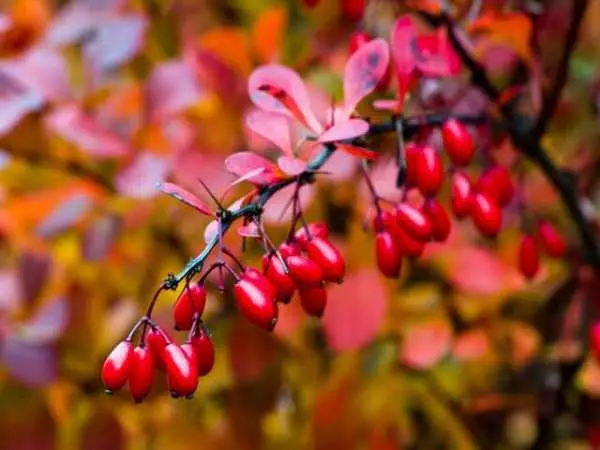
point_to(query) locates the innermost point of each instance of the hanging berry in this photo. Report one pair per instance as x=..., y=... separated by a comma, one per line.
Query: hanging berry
x=115, y=369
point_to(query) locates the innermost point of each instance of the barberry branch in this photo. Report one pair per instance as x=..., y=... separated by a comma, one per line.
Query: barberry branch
x=552, y=96
x=410, y=126
x=522, y=132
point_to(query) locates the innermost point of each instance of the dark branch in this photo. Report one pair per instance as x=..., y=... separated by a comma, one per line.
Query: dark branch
x=524, y=138
x=552, y=96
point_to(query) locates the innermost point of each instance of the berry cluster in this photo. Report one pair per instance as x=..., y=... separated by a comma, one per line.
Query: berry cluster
x=303, y=263
x=182, y=364
x=409, y=225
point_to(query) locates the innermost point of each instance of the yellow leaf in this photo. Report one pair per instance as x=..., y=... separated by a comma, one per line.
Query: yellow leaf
x=230, y=45
x=267, y=34
x=510, y=29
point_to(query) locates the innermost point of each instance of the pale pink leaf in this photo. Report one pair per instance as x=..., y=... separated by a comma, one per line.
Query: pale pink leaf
x=341, y=166
x=100, y=236
x=250, y=230
x=243, y=163
x=278, y=89
x=48, y=323
x=83, y=130
x=115, y=41
x=171, y=88
x=426, y=344
x=186, y=197
x=139, y=178
x=356, y=310
x=291, y=166
x=31, y=363
x=67, y=213
x=387, y=105
x=349, y=129
x=212, y=229
x=41, y=70
x=278, y=209
x=194, y=163
x=16, y=101
x=273, y=127
x=365, y=68
x=477, y=271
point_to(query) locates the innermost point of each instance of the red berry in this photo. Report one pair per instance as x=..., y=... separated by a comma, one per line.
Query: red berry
x=353, y=9
x=551, y=240
x=304, y=271
x=430, y=171
x=262, y=281
x=595, y=339
x=275, y=272
x=141, y=373
x=157, y=343
x=486, y=215
x=115, y=370
x=462, y=198
x=412, y=152
x=192, y=300
x=458, y=142
x=328, y=258
x=413, y=221
x=182, y=374
x=205, y=350
x=313, y=300
x=387, y=252
x=408, y=245
x=288, y=249
x=256, y=303
x=385, y=221
x=497, y=184
x=316, y=230
x=438, y=217
x=529, y=257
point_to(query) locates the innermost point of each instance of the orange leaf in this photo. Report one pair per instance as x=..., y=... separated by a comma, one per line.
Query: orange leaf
x=230, y=46
x=511, y=29
x=27, y=21
x=267, y=34
x=427, y=6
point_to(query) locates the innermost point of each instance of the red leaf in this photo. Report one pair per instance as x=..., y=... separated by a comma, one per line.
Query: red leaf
x=426, y=344
x=83, y=130
x=349, y=129
x=357, y=151
x=365, y=68
x=243, y=163
x=403, y=38
x=273, y=127
x=186, y=197
x=277, y=89
x=356, y=310
x=435, y=56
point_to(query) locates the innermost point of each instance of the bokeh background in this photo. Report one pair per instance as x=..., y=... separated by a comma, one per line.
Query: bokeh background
x=101, y=100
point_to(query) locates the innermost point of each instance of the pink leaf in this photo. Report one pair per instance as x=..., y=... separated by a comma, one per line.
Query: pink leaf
x=404, y=35
x=42, y=70
x=206, y=164
x=426, y=344
x=171, y=88
x=291, y=166
x=34, y=269
x=387, y=105
x=273, y=127
x=341, y=166
x=472, y=344
x=81, y=129
x=475, y=270
x=278, y=210
x=436, y=56
x=249, y=230
x=16, y=101
x=349, y=129
x=100, y=236
x=211, y=231
x=356, y=310
x=365, y=68
x=243, y=163
x=67, y=213
x=186, y=197
x=277, y=89
x=48, y=323
x=31, y=363
x=139, y=178
x=357, y=151
x=115, y=41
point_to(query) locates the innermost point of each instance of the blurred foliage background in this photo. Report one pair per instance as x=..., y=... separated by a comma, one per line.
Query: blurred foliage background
x=102, y=99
